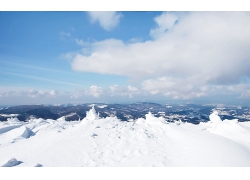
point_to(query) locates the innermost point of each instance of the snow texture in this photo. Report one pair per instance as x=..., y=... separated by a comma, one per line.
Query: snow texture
x=109, y=142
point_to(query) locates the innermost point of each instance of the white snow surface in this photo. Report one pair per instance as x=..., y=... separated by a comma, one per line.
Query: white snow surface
x=96, y=141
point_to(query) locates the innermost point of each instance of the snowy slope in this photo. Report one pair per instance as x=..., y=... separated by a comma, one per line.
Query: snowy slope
x=151, y=141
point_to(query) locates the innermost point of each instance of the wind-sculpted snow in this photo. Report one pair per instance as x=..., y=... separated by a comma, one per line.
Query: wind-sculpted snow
x=96, y=141
x=12, y=162
x=91, y=115
x=214, y=117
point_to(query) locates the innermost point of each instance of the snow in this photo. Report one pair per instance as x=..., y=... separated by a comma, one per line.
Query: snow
x=149, y=141
x=38, y=165
x=91, y=114
x=9, y=115
x=214, y=117
x=150, y=118
x=12, y=162
x=103, y=106
x=13, y=120
x=61, y=118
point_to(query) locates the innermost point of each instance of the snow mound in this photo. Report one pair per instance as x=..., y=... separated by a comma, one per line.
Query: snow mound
x=13, y=120
x=12, y=162
x=38, y=165
x=214, y=117
x=139, y=120
x=233, y=130
x=91, y=114
x=61, y=119
x=21, y=132
x=38, y=121
x=151, y=119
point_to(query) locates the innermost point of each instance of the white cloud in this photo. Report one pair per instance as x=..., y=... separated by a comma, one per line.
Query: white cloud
x=165, y=22
x=125, y=91
x=68, y=56
x=80, y=42
x=52, y=93
x=135, y=40
x=107, y=19
x=132, y=89
x=65, y=34
x=154, y=89
x=34, y=93
x=245, y=94
x=96, y=91
x=201, y=50
x=176, y=88
x=78, y=93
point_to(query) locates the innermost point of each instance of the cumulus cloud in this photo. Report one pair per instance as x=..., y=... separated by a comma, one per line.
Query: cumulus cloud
x=31, y=93
x=107, y=19
x=212, y=44
x=52, y=93
x=165, y=22
x=189, y=52
x=78, y=93
x=177, y=88
x=95, y=91
x=125, y=91
x=34, y=93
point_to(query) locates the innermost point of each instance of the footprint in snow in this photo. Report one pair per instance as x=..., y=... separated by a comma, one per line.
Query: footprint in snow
x=12, y=162
x=94, y=135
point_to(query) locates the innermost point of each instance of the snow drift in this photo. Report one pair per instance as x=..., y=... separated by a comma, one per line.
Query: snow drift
x=152, y=141
x=12, y=162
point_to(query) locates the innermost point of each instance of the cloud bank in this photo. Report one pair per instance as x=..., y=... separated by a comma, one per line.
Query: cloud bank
x=189, y=53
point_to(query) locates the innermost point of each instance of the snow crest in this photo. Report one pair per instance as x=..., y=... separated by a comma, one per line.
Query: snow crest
x=21, y=132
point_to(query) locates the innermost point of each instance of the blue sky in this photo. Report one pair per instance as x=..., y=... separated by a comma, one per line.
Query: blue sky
x=78, y=57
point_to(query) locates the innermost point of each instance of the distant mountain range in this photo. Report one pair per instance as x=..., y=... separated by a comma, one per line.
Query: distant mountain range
x=191, y=113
